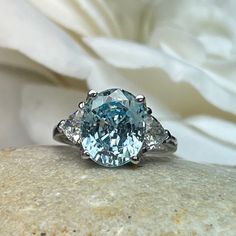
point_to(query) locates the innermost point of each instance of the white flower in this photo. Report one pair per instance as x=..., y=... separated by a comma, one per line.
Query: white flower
x=180, y=54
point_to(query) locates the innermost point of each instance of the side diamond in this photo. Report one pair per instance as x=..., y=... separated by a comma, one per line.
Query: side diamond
x=155, y=133
x=70, y=127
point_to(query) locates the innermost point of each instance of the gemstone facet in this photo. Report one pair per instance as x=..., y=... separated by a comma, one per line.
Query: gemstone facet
x=71, y=127
x=155, y=133
x=113, y=127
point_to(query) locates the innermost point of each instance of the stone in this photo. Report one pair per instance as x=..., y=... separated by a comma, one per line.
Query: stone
x=113, y=127
x=155, y=133
x=71, y=127
x=50, y=190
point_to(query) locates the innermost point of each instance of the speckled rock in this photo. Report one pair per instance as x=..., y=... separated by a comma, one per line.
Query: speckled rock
x=50, y=191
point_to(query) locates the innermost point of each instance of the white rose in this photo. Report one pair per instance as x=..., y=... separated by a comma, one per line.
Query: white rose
x=180, y=54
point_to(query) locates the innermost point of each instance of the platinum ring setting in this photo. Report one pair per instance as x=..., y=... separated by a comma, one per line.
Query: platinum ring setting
x=114, y=128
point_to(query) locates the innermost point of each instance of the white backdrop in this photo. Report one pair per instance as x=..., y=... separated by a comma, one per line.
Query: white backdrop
x=180, y=54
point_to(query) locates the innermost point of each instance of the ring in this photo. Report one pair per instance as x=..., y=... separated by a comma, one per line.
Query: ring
x=113, y=128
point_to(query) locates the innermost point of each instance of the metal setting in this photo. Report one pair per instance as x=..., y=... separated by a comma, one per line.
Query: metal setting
x=135, y=160
x=140, y=98
x=167, y=146
x=81, y=105
x=92, y=93
x=84, y=155
x=149, y=110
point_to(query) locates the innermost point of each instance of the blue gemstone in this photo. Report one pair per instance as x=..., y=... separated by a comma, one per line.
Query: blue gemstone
x=113, y=127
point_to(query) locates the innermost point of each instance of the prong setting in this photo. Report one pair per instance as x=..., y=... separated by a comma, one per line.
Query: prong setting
x=170, y=139
x=81, y=105
x=135, y=160
x=149, y=111
x=92, y=94
x=85, y=155
x=140, y=98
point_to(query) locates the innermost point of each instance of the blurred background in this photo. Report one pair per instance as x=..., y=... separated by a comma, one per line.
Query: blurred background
x=180, y=54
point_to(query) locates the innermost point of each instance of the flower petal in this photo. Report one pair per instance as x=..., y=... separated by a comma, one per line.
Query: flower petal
x=100, y=15
x=220, y=129
x=224, y=68
x=87, y=18
x=100, y=79
x=12, y=58
x=66, y=14
x=40, y=114
x=123, y=54
x=198, y=147
x=182, y=46
x=46, y=43
x=13, y=80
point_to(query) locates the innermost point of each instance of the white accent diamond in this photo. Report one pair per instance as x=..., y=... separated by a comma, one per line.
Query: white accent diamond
x=155, y=133
x=70, y=127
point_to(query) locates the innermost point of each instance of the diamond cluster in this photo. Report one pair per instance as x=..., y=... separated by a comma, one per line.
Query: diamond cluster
x=113, y=127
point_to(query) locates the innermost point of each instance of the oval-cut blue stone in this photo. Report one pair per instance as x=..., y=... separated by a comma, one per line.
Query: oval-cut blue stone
x=113, y=127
